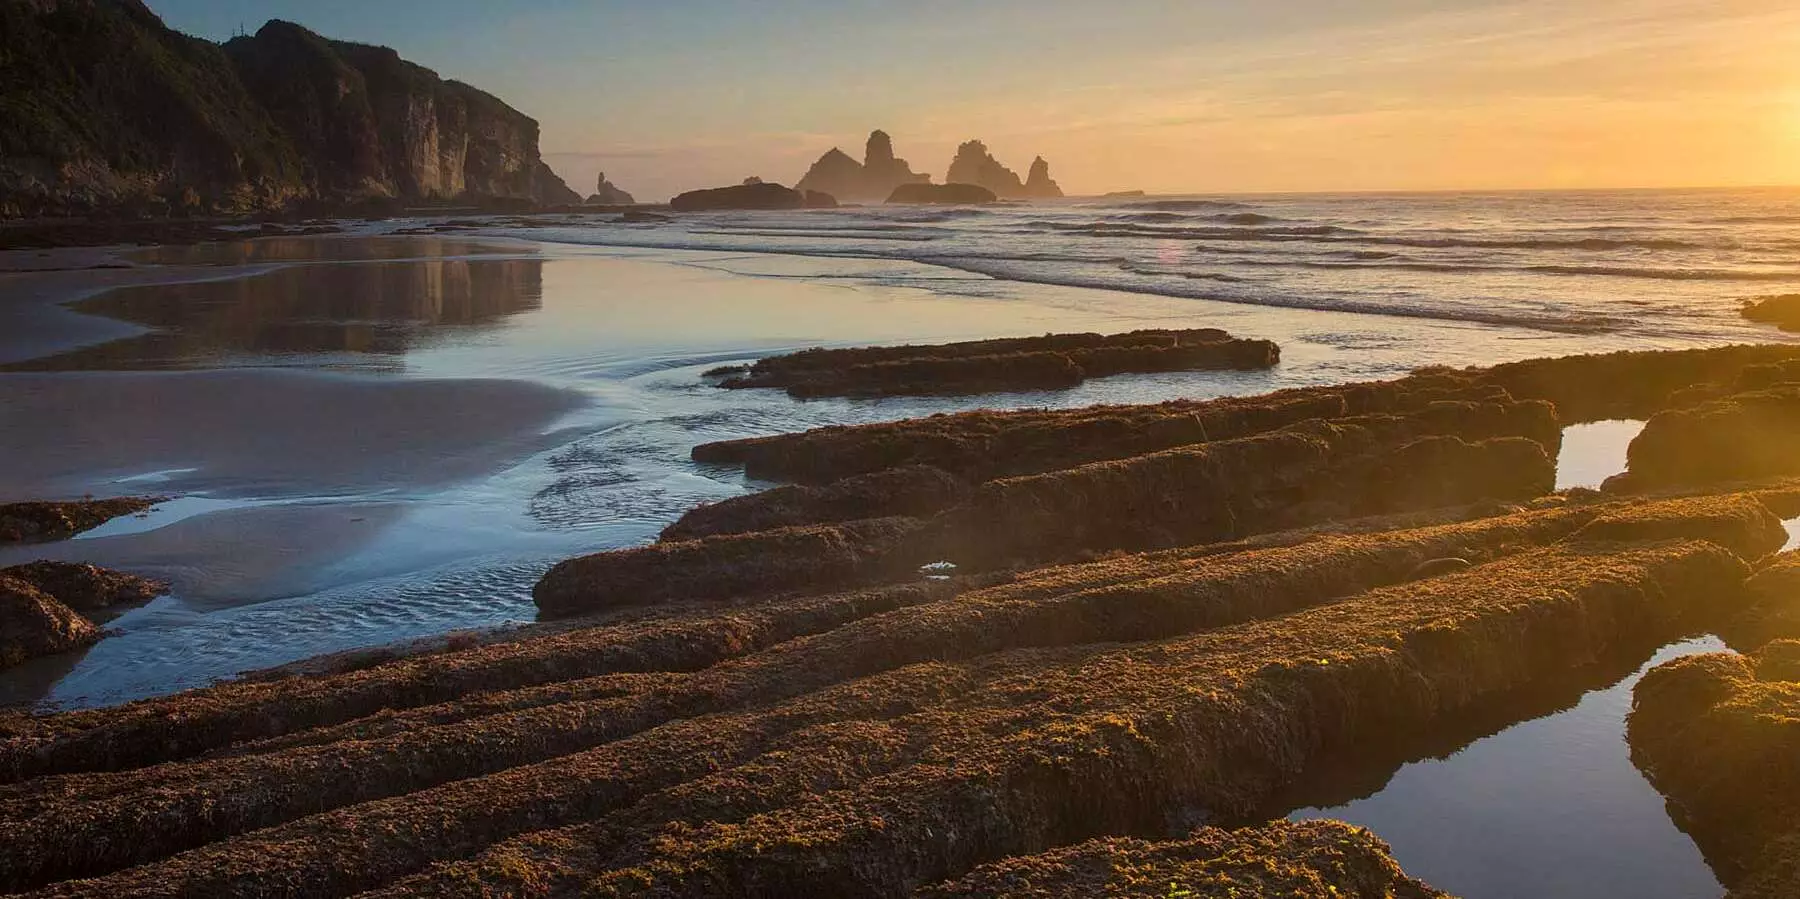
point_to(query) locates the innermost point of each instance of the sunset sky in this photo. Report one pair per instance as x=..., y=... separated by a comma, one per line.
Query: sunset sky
x=1159, y=95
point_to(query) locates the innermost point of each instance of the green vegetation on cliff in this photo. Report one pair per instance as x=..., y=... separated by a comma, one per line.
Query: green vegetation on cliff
x=104, y=107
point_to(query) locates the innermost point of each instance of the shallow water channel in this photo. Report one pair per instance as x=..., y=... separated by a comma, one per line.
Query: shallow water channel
x=1540, y=799
x=1550, y=807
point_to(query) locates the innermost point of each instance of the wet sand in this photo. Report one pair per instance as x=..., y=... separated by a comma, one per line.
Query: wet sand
x=503, y=404
x=262, y=433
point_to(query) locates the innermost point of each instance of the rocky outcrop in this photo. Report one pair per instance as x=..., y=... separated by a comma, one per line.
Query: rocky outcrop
x=909, y=490
x=1051, y=362
x=942, y=194
x=607, y=194
x=1739, y=437
x=102, y=106
x=1308, y=858
x=89, y=589
x=1781, y=311
x=836, y=174
x=38, y=522
x=752, y=194
x=863, y=743
x=883, y=171
x=1717, y=735
x=1038, y=184
x=868, y=181
x=975, y=165
x=986, y=444
x=33, y=623
x=46, y=607
x=818, y=557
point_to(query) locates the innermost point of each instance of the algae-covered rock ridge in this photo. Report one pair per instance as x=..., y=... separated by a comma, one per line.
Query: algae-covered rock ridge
x=1160, y=618
x=102, y=106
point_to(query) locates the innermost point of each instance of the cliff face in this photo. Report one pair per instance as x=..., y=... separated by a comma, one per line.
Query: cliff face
x=101, y=105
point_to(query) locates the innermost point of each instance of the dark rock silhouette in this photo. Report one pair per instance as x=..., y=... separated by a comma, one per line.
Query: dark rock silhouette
x=882, y=170
x=754, y=193
x=869, y=181
x=1781, y=311
x=607, y=194
x=835, y=173
x=103, y=106
x=942, y=194
x=975, y=165
x=1038, y=184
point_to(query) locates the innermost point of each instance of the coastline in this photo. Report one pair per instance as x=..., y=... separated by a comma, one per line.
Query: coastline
x=355, y=513
x=558, y=423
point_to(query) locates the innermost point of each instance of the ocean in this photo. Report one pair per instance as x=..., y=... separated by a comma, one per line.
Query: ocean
x=1669, y=266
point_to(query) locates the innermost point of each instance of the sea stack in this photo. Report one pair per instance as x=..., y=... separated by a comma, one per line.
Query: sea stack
x=1038, y=184
x=869, y=181
x=975, y=165
x=608, y=194
x=882, y=170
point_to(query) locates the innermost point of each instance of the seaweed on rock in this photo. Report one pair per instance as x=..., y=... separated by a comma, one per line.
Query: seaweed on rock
x=40, y=522
x=907, y=490
x=984, y=445
x=1741, y=437
x=816, y=557
x=871, y=752
x=1051, y=362
x=1717, y=735
x=33, y=623
x=1311, y=858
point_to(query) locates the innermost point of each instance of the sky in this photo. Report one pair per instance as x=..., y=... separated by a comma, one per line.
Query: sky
x=1166, y=96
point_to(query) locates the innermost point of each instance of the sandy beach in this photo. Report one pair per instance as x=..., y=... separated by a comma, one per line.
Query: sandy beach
x=346, y=420
x=372, y=441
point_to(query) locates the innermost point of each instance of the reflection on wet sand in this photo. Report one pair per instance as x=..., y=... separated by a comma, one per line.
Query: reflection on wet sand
x=317, y=249
x=359, y=316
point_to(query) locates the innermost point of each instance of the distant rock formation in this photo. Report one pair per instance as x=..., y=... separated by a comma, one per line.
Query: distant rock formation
x=871, y=180
x=606, y=194
x=1038, y=185
x=882, y=170
x=837, y=174
x=102, y=106
x=754, y=193
x=975, y=165
x=942, y=194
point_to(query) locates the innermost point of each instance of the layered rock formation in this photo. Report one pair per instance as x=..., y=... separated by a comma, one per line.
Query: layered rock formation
x=866, y=743
x=607, y=194
x=869, y=181
x=1050, y=362
x=1038, y=184
x=46, y=607
x=33, y=623
x=102, y=106
x=35, y=522
x=1717, y=735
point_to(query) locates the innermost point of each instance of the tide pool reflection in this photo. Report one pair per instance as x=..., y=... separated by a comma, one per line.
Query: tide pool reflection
x=338, y=316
